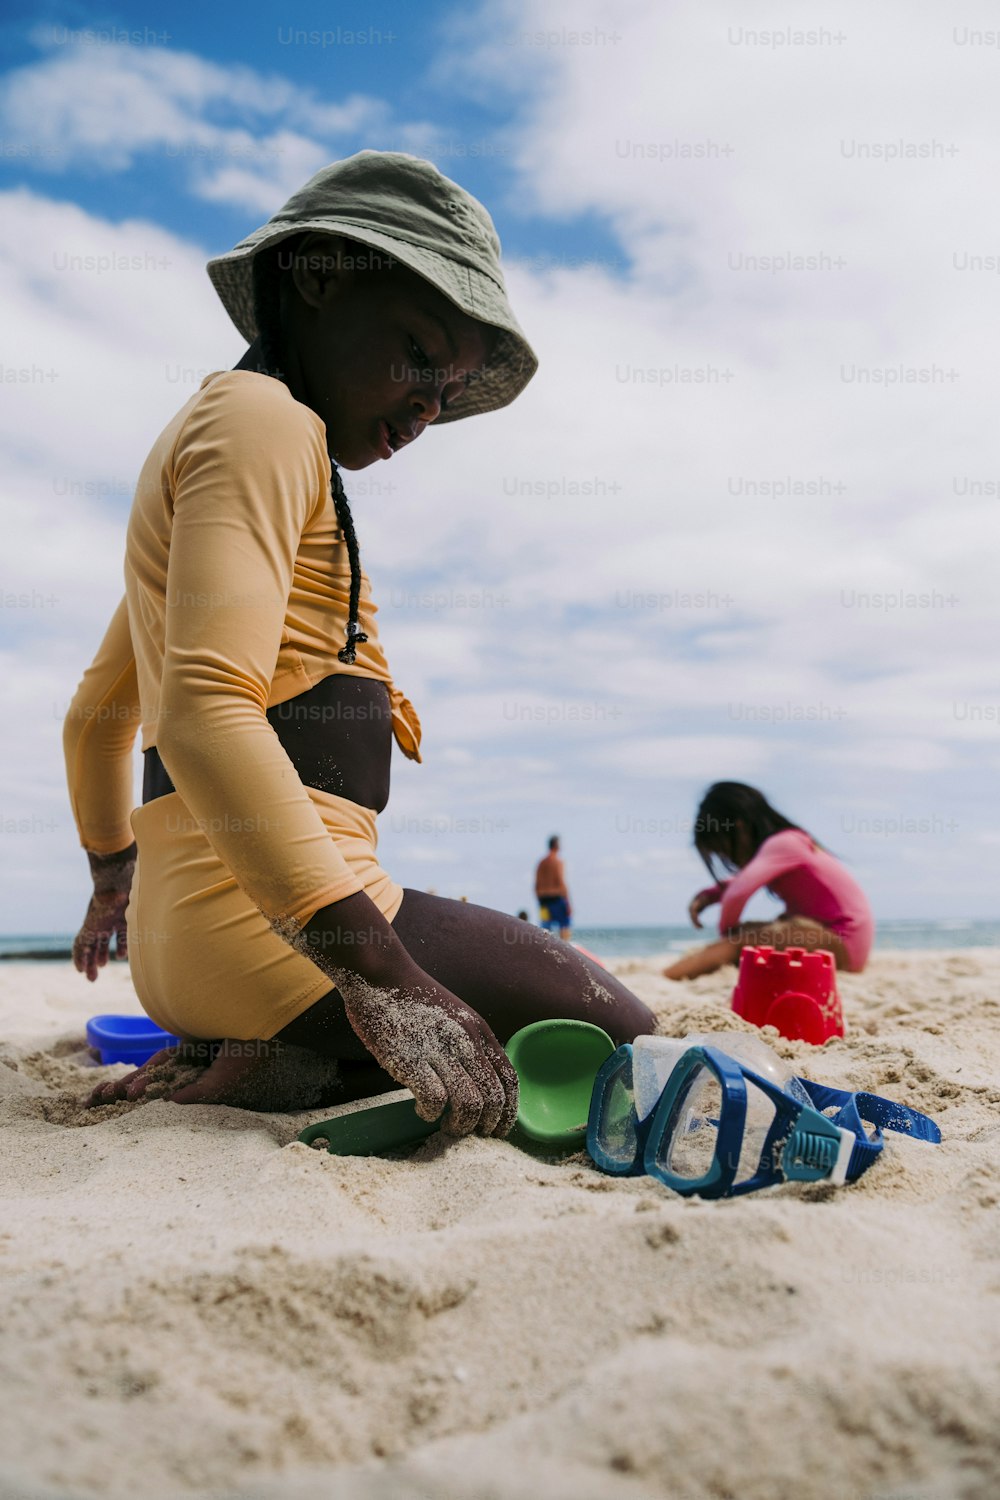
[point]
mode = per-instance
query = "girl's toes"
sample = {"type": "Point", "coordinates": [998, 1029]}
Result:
{"type": "Point", "coordinates": [105, 1093]}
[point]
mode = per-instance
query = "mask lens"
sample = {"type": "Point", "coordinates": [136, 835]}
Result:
{"type": "Point", "coordinates": [759, 1119]}
{"type": "Point", "coordinates": [617, 1133]}
{"type": "Point", "coordinates": [688, 1145]}
{"type": "Point", "coordinates": [612, 1127]}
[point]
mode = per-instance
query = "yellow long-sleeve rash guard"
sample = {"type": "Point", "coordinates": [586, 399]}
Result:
{"type": "Point", "coordinates": [237, 587]}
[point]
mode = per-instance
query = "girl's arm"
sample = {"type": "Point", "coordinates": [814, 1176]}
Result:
{"type": "Point", "coordinates": [776, 856]}
{"type": "Point", "coordinates": [713, 893]}
{"type": "Point", "coordinates": [701, 899]}
{"type": "Point", "coordinates": [247, 472]}
{"type": "Point", "coordinates": [98, 734]}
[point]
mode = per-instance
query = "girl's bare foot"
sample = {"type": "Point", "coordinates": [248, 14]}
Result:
{"type": "Point", "coordinates": [165, 1071]}
{"type": "Point", "coordinates": [265, 1076]}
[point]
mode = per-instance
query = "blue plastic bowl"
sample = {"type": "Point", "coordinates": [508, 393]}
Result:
{"type": "Point", "coordinates": [127, 1039]}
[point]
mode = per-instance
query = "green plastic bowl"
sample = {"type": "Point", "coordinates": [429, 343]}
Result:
{"type": "Point", "coordinates": [556, 1063]}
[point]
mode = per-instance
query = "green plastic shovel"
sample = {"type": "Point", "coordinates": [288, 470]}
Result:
{"type": "Point", "coordinates": [556, 1063]}
{"type": "Point", "coordinates": [369, 1132]}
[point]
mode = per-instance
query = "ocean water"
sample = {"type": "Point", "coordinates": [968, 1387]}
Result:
{"type": "Point", "coordinates": [630, 942]}
{"type": "Point", "coordinates": [644, 942]}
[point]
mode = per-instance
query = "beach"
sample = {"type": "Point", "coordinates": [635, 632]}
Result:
{"type": "Point", "coordinates": [197, 1305]}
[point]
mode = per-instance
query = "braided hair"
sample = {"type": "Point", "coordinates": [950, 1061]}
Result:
{"type": "Point", "coordinates": [267, 313]}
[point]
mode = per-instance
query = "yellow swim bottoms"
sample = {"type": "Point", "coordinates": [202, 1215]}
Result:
{"type": "Point", "coordinates": [204, 961]}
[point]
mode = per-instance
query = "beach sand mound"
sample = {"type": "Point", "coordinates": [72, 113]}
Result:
{"type": "Point", "coordinates": [197, 1305]}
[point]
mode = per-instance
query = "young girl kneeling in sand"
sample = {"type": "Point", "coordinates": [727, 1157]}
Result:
{"type": "Point", "coordinates": [259, 918]}
{"type": "Point", "coordinates": [824, 905]}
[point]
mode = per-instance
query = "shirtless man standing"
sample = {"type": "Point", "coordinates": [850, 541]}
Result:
{"type": "Point", "coordinates": [550, 888]}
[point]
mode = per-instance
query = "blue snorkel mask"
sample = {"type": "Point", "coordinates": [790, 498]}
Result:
{"type": "Point", "coordinates": [720, 1127]}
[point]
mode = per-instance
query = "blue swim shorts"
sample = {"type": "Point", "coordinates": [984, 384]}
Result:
{"type": "Point", "coordinates": [554, 912]}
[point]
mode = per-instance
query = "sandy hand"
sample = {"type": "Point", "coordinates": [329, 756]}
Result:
{"type": "Point", "coordinates": [105, 920]}
{"type": "Point", "coordinates": [441, 1050]}
{"type": "Point", "coordinates": [699, 903]}
{"type": "Point", "coordinates": [112, 875]}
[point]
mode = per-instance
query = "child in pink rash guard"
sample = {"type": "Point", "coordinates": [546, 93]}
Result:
{"type": "Point", "coordinates": [824, 907]}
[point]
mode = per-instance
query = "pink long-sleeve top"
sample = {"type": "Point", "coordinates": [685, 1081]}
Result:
{"type": "Point", "coordinates": [811, 883]}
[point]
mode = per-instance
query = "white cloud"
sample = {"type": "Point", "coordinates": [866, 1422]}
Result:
{"type": "Point", "coordinates": [244, 137]}
{"type": "Point", "coordinates": [702, 757]}
{"type": "Point", "coordinates": [114, 324]}
{"type": "Point", "coordinates": [894, 755]}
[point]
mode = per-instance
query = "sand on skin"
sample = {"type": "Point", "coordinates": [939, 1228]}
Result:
{"type": "Point", "coordinates": [198, 1304]}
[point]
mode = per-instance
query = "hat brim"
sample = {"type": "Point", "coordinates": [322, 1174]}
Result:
{"type": "Point", "coordinates": [513, 362]}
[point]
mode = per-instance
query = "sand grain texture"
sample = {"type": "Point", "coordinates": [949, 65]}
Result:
{"type": "Point", "coordinates": [196, 1305]}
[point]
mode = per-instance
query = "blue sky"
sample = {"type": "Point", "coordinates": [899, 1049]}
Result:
{"type": "Point", "coordinates": [742, 524]}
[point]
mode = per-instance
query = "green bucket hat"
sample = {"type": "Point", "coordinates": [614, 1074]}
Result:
{"type": "Point", "coordinates": [404, 206]}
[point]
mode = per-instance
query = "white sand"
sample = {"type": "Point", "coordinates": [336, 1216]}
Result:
{"type": "Point", "coordinates": [194, 1305]}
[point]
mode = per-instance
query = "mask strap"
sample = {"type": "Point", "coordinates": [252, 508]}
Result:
{"type": "Point", "coordinates": [854, 1109]}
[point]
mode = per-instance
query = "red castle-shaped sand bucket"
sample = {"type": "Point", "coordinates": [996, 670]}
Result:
{"type": "Point", "coordinates": [792, 990]}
